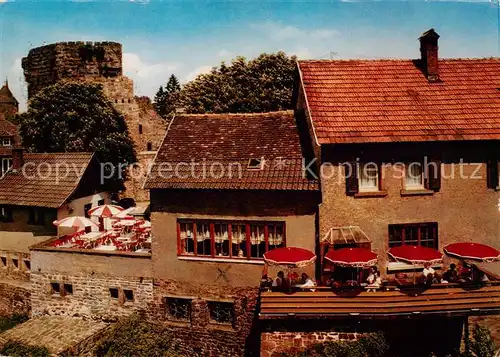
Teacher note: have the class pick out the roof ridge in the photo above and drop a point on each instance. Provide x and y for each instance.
(398, 59)
(221, 115)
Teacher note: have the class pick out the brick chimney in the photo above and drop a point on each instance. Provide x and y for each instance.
(429, 55)
(17, 159)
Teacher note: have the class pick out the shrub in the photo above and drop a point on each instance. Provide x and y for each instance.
(371, 345)
(18, 349)
(7, 323)
(135, 337)
(482, 344)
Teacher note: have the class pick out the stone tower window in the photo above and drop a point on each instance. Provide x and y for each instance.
(150, 146)
(123, 100)
(140, 128)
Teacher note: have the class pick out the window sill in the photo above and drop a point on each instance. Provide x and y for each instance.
(418, 192)
(221, 326)
(178, 322)
(221, 260)
(371, 194)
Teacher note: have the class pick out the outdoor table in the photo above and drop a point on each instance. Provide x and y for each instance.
(106, 247)
(92, 236)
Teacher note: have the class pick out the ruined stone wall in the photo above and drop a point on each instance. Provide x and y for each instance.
(14, 299)
(15, 265)
(101, 63)
(49, 64)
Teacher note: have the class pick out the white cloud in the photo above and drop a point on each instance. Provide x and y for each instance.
(225, 54)
(200, 70)
(147, 77)
(279, 32)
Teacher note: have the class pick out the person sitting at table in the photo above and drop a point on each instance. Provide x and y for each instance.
(451, 275)
(305, 282)
(428, 270)
(480, 276)
(280, 282)
(374, 280)
(465, 273)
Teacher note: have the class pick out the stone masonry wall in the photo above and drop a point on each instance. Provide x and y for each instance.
(200, 335)
(47, 65)
(101, 63)
(90, 297)
(274, 343)
(15, 265)
(14, 299)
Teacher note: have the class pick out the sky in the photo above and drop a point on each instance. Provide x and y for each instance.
(187, 38)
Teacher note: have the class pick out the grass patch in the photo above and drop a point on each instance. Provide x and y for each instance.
(7, 323)
(17, 349)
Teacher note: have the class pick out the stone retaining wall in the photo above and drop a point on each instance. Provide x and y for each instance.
(273, 343)
(14, 299)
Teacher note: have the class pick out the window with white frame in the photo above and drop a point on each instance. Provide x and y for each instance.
(6, 142)
(229, 239)
(414, 176)
(368, 177)
(6, 165)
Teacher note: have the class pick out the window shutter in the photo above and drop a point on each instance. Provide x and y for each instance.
(492, 174)
(434, 175)
(351, 178)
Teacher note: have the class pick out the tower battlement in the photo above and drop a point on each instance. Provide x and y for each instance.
(46, 65)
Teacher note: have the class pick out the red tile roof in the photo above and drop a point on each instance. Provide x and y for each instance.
(391, 100)
(7, 128)
(227, 142)
(40, 185)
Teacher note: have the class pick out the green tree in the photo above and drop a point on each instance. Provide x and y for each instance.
(262, 84)
(166, 100)
(76, 117)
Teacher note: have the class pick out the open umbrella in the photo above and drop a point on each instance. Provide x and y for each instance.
(291, 257)
(472, 251)
(125, 214)
(105, 211)
(352, 257)
(75, 222)
(416, 254)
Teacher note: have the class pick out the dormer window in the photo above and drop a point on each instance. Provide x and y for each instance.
(255, 164)
(6, 142)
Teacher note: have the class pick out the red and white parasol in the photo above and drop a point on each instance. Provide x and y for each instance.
(75, 222)
(291, 257)
(472, 251)
(352, 257)
(416, 254)
(105, 211)
(125, 214)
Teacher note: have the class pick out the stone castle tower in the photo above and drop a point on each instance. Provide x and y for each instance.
(100, 62)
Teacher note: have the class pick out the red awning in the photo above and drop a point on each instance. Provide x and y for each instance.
(415, 254)
(472, 251)
(290, 256)
(352, 257)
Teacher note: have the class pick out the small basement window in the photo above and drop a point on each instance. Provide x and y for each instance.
(4, 261)
(68, 289)
(178, 308)
(150, 147)
(221, 312)
(113, 292)
(27, 264)
(15, 262)
(56, 289)
(129, 295)
(255, 164)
